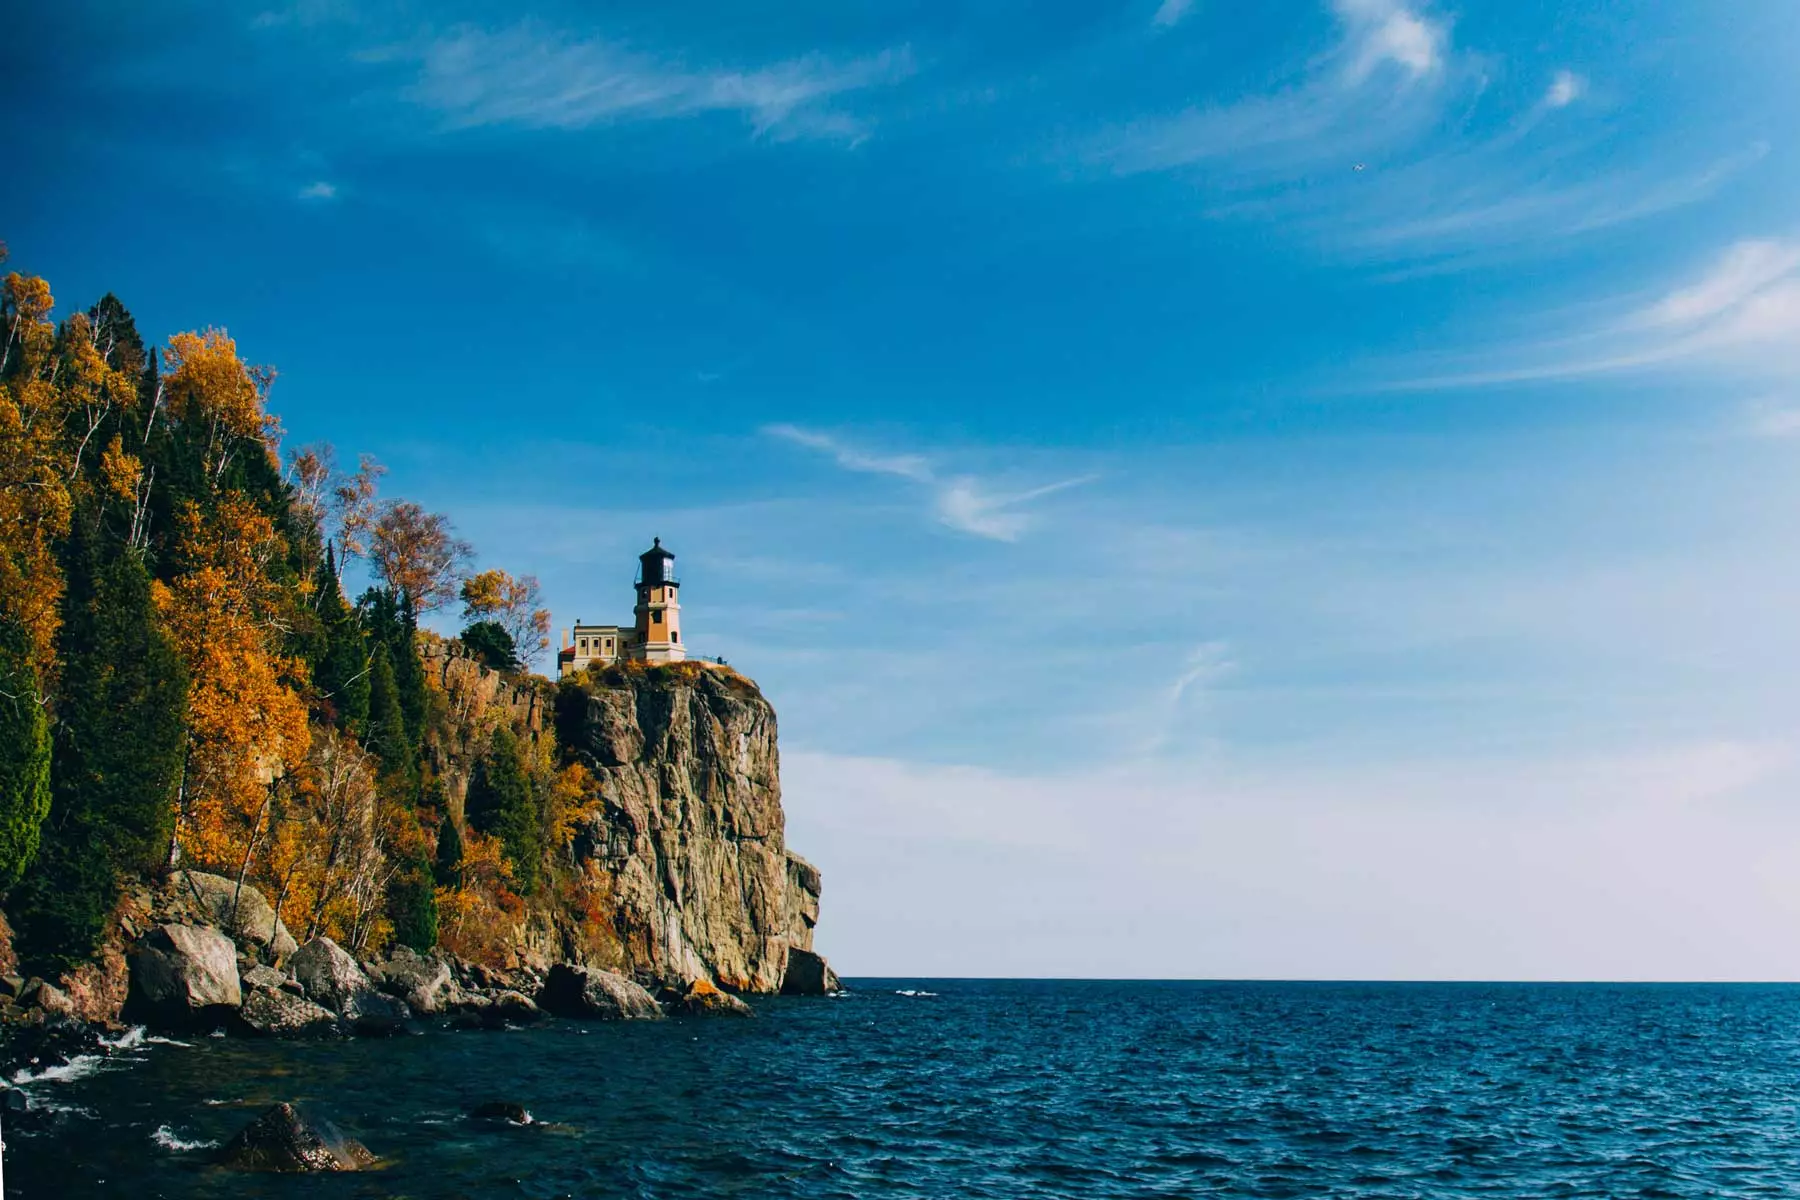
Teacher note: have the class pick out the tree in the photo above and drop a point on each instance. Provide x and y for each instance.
(412, 905)
(24, 756)
(415, 554)
(500, 802)
(341, 672)
(514, 605)
(117, 752)
(340, 509)
(389, 621)
(490, 643)
(387, 738)
(449, 857)
(247, 721)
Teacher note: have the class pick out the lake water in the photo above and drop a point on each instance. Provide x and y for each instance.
(1003, 1089)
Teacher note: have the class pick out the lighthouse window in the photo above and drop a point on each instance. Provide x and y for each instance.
(675, 635)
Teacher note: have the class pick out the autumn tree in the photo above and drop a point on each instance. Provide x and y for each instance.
(338, 508)
(417, 555)
(513, 604)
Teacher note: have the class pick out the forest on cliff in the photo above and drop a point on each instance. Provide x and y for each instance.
(183, 680)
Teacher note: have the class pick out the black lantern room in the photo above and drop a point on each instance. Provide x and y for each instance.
(656, 566)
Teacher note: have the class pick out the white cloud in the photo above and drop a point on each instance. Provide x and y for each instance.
(962, 502)
(1565, 88)
(1385, 32)
(319, 190)
(534, 78)
(1170, 13)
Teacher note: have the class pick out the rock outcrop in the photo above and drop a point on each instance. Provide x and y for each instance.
(685, 850)
(575, 991)
(808, 974)
(184, 977)
(702, 999)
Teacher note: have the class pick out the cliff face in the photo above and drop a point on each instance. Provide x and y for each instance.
(680, 871)
(686, 847)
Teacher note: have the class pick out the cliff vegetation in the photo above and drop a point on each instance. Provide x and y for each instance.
(185, 686)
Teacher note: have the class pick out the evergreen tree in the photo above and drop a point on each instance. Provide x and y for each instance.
(448, 867)
(24, 757)
(412, 905)
(388, 618)
(341, 672)
(489, 642)
(117, 751)
(386, 737)
(501, 802)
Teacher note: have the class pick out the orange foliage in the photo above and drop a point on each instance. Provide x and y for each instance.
(514, 604)
(246, 718)
(477, 919)
(208, 386)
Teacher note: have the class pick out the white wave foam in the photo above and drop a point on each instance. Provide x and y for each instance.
(913, 992)
(131, 1039)
(168, 1139)
(79, 1067)
(158, 1040)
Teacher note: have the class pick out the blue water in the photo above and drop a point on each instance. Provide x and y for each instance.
(1005, 1089)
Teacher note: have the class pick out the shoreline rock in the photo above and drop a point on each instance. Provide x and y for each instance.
(575, 991)
(283, 1140)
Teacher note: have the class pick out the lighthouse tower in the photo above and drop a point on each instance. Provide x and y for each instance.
(658, 608)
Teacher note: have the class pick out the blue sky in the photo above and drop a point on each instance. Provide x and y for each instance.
(1299, 489)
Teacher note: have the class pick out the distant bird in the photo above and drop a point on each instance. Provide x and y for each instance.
(1357, 167)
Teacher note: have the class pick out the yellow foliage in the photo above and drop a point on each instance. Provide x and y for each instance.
(246, 717)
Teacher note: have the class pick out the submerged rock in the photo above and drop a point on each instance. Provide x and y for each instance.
(501, 1112)
(572, 991)
(283, 1140)
(184, 976)
(808, 974)
(702, 999)
(509, 1007)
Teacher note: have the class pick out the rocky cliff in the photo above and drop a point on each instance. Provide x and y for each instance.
(679, 868)
(686, 846)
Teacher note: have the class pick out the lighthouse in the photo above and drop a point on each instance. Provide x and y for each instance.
(658, 607)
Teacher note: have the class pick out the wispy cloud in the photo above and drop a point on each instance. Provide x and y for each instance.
(1774, 419)
(1170, 13)
(319, 190)
(1383, 68)
(962, 502)
(1740, 314)
(536, 78)
(1389, 146)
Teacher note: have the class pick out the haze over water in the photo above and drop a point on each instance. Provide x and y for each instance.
(1003, 1089)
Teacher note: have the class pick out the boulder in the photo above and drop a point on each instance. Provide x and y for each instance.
(808, 974)
(424, 983)
(183, 976)
(702, 999)
(510, 1008)
(284, 1140)
(273, 1012)
(253, 922)
(572, 991)
(376, 1015)
(328, 976)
